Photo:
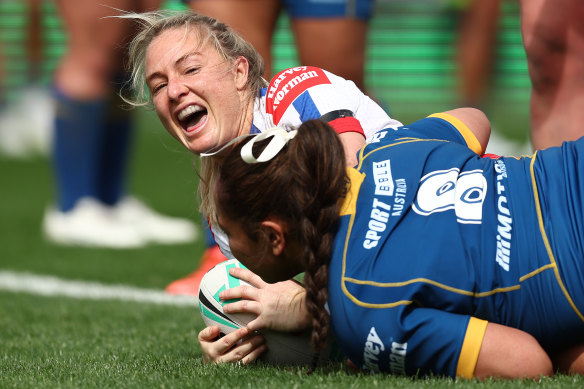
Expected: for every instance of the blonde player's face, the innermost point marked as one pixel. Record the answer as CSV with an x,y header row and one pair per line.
x,y
198,96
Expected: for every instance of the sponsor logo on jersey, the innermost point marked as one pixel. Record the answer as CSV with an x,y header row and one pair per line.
x,y
382,209
397,358
377,223
399,200
504,220
384,185
373,347
287,85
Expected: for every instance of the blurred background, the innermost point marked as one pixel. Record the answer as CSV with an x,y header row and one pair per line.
x,y
411,59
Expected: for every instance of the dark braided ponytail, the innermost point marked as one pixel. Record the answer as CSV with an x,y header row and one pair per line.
x,y
302,186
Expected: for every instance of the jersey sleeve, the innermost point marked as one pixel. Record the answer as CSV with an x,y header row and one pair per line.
x,y
442,342
422,341
303,93
469,354
444,127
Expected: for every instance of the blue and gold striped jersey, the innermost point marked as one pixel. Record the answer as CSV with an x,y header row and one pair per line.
x,y
434,241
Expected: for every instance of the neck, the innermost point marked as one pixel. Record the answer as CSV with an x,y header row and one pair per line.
x,y
247,116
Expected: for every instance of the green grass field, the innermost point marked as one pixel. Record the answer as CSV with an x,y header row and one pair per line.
x,y
65,342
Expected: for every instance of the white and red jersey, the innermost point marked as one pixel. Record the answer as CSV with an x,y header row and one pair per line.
x,y
303,93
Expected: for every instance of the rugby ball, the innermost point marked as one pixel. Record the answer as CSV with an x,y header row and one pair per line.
x,y
283,348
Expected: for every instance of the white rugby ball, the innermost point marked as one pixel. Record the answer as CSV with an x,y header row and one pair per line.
x,y
282,347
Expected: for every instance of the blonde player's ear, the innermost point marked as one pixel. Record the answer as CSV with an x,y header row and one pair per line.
x,y
274,231
241,73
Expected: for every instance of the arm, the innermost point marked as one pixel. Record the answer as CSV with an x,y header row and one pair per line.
x,y
511,353
323,95
352,143
570,361
466,126
350,132
476,121
432,341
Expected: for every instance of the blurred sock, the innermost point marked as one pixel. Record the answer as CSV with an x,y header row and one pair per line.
x,y
114,153
77,145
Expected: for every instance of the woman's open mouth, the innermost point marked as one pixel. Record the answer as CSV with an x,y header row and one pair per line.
x,y
192,117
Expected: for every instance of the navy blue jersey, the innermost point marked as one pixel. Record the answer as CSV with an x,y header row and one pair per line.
x,y
435,241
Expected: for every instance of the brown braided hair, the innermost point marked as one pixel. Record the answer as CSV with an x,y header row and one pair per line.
x,y
301,186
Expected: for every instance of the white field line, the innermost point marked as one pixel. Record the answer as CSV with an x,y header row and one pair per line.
x,y
54,286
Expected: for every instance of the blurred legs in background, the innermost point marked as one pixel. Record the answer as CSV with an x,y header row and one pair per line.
x,y
553,37
26,126
477,35
93,134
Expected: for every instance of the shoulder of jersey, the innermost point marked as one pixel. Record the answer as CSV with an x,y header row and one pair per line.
x,y
287,85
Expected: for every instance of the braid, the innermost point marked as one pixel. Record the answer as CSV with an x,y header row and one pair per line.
x,y
318,253
319,216
302,186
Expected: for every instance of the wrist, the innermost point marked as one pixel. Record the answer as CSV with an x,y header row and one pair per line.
x,y
303,316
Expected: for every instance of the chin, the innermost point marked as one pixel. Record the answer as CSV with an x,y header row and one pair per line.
x,y
197,148
203,145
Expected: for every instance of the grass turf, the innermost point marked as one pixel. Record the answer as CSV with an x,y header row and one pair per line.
x,y
70,343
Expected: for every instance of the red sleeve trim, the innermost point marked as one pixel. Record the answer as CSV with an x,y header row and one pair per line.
x,y
347,124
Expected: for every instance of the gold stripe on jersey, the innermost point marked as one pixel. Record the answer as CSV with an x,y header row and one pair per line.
x,y
349,206
469,354
431,282
546,242
471,140
345,280
398,142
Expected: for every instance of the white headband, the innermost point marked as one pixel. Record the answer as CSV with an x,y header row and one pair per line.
x,y
280,137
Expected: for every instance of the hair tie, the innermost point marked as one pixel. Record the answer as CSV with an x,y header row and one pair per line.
x,y
280,137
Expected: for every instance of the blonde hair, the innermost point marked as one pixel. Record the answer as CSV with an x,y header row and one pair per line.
x,y
210,168
228,43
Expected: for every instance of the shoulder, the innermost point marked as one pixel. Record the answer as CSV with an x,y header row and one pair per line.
x,y
288,89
